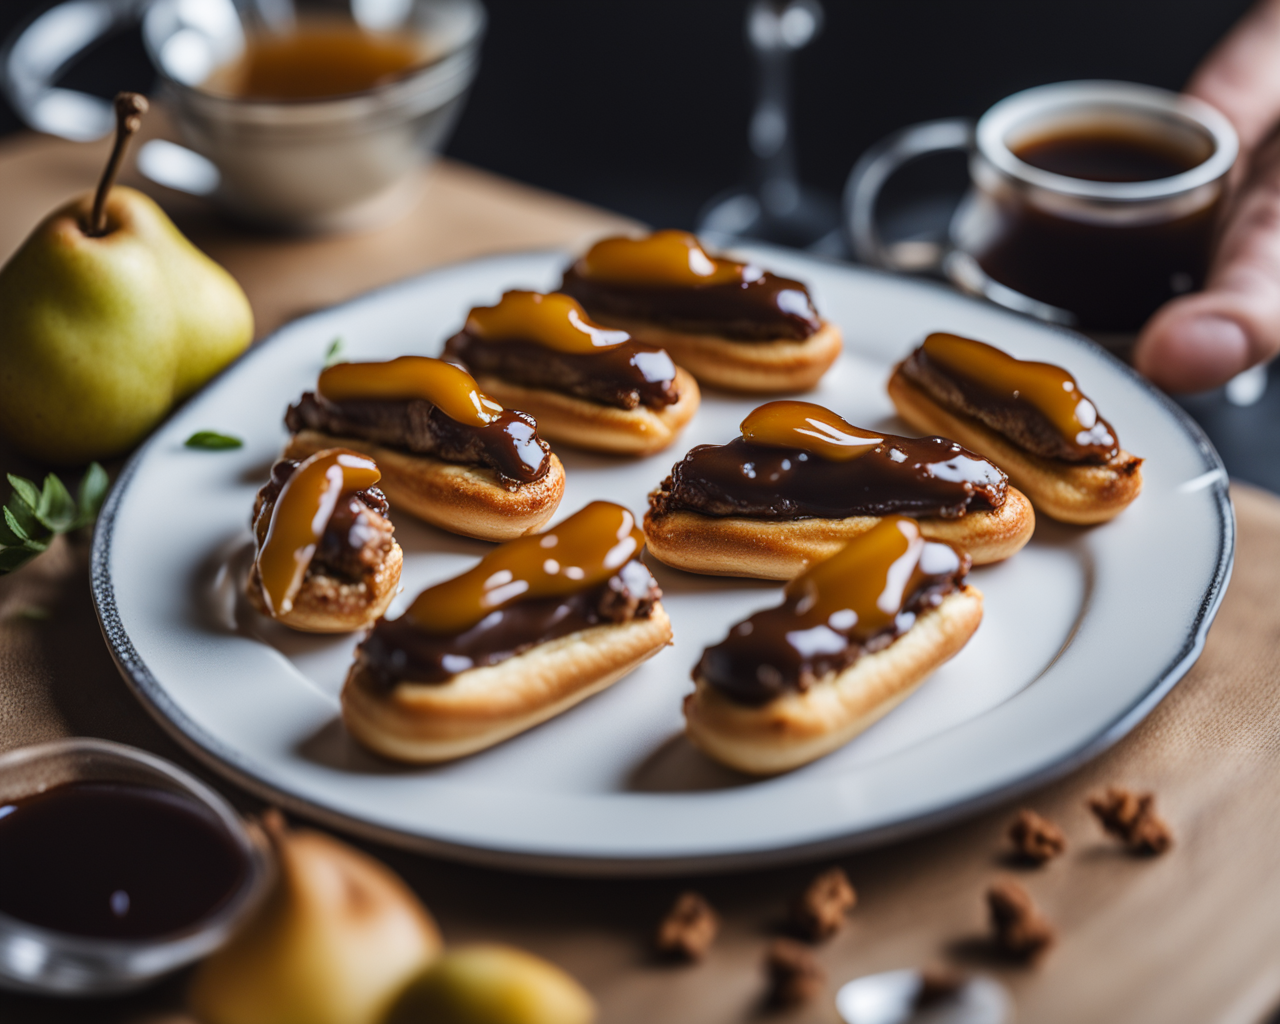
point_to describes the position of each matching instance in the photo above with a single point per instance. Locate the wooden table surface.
(1191, 936)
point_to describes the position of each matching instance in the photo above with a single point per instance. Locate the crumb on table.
(938, 983)
(1021, 931)
(1035, 838)
(795, 976)
(820, 911)
(689, 928)
(1132, 818)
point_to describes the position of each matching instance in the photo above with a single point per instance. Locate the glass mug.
(1091, 204)
(336, 156)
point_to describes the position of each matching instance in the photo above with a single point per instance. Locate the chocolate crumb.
(937, 985)
(1036, 839)
(1132, 818)
(795, 976)
(689, 928)
(1021, 931)
(820, 911)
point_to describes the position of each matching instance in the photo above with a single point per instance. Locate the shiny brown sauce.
(424, 406)
(1038, 405)
(548, 341)
(669, 280)
(856, 602)
(299, 517)
(582, 572)
(798, 460)
(114, 860)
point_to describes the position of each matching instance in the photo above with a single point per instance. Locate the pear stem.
(130, 106)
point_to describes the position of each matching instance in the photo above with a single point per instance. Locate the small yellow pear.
(335, 942)
(492, 984)
(109, 315)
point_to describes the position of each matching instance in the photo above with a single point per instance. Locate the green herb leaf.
(32, 518)
(57, 509)
(27, 539)
(334, 354)
(211, 440)
(34, 612)
(26, 490)
(93, 489)
(12, 559)
(21, 521)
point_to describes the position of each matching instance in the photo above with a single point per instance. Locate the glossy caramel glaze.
(665, 258)
(797, 460)
(425, 407)
(547, 341)
(809, 427)
(858, 601)
(555, 321)
(668, 279)
(581, 573)
(299, 517)
(450, 389)
(580, 553)
(1038, 405)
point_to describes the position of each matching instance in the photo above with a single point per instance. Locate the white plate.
(1085, 630)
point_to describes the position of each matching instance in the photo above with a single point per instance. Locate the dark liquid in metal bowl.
(114, 860)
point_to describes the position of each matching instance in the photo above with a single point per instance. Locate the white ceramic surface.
(1085, 630)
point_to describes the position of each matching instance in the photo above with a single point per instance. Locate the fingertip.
(1193, 352)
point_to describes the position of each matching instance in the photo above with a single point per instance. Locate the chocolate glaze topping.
(623, 376)
(1067, 427)
(401, 650)
(509, 445)
(857, 602)
(757, 308)
(927, 476)
(356, 539)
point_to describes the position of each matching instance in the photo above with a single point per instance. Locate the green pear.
(109, 315)
(492, 984)
(335, 942)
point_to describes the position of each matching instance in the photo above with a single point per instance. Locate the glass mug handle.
(32, 60)
(873, 170)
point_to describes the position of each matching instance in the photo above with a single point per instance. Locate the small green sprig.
(33, 515)
(212, 441)
(335, 353)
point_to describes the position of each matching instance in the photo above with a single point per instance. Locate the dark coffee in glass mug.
(1092, 204)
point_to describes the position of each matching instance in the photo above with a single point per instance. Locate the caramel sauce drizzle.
(442, 384)
(299, 518)
(1048, 388)
(555, 321)
(670, 258)
(582, 552)
(809, 427)
(860, 590)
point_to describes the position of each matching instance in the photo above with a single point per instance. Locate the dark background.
(643, 107)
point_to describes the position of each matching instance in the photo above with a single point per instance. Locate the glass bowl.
(39, 960)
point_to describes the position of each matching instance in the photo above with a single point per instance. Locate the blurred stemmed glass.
(774, 206)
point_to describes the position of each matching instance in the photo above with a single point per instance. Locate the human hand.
(1202, 340)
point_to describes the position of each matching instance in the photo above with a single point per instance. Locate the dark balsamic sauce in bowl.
(115, 861)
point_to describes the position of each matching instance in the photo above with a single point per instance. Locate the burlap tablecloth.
(1191, 936)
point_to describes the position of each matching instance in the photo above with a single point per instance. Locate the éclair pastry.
(449, 453)
(326, 558)
(1031, 419)
(732, 325)
(540, 624)
(590, 386)
(853, 638)
(801, 482)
